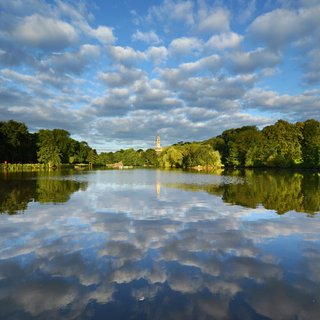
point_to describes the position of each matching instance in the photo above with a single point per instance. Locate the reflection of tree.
(311, 192)
(15, 195)
(181, 260)
(17, 192)
(51, 190)
(280, 191)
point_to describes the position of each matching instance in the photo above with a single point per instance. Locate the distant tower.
(158, 146)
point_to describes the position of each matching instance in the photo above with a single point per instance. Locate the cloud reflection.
(120, 247)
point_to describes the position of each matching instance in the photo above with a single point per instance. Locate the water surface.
(152, 244)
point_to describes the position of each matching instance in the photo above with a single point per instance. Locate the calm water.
(151, 244)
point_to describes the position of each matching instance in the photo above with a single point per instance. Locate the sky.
(118, 73)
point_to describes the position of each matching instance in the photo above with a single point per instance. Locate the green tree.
(172, 157)
(150, 157)
(241, 146)
(92, 157)
(282, 145)
(105, 158)
(130, 157)
(63, 142)
(82, 152)
(15, 142)
(48, 152)
(196, 154)
(311, 143)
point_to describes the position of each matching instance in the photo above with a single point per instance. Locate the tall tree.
(150, 157)
(15, 141)
(48, 151)
(282, 145)
(92, 157)
(241, 146)
(172, 157)
(83, 151)
(311, 143)
(196, 154)
(63, 142)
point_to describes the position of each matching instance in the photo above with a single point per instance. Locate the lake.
(156, 244)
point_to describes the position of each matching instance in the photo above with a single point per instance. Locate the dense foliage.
(178, 156)
(16, 143)
(283, 145)
(130, 157)
(189, 155)
(280, 145)
(51, 147)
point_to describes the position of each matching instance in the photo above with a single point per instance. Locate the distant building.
(158, 145)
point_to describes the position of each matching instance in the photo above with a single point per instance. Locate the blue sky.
(117, 73)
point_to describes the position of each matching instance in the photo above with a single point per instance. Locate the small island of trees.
(282, 145)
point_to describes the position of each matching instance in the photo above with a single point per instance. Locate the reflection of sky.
(173, 255)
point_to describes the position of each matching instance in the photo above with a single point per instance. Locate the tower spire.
(158, 144)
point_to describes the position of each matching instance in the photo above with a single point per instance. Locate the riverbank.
(23, 167)
(28, 167)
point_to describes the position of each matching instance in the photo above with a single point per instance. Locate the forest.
(281, 145)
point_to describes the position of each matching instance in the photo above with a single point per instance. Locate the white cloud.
(297, 28)
(225, 41)
(147, 37)
(301, 106)
(290, 26)
(74, 11)
(111, 105)
(247, 62)
(121, 77)
(211, 63)
(312, 67)
(74, 62)
(213, 20)
(80, 17)
(185, 45)
(126, 55)
(14, 76)
(120, 92)
(45, 32)
(245, 11)
(103, 34)
(154, 95)
(183, 11)
(284, 21)
(157, 54)
(26, 7)
(170, 11)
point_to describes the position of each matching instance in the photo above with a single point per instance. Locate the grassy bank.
(13, 167)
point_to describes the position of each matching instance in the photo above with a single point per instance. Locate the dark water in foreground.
(151, 244)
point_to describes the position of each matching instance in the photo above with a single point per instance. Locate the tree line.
(282, 144)
(181, 155)
(51, 147)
